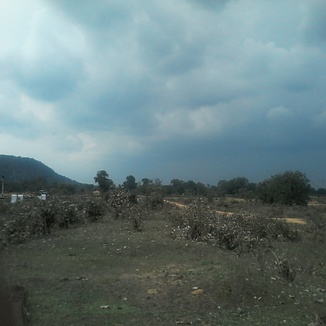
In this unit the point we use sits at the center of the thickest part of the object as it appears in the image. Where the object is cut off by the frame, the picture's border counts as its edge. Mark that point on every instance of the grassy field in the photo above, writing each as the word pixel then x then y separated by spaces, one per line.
pixel 105 273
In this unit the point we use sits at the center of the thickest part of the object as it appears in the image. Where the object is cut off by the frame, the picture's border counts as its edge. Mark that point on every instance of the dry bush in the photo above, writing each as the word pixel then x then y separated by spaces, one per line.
pixel 69 214
pixel 154 201
pixel 241 232
pixel 94 208
pixel 136 216
pixel 316 227
pixel 125 206
pixel 26 221
pixel 35 218
pixel 118 200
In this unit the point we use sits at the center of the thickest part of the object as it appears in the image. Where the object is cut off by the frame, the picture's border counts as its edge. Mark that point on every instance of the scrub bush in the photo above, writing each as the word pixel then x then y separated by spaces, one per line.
pixel 241 232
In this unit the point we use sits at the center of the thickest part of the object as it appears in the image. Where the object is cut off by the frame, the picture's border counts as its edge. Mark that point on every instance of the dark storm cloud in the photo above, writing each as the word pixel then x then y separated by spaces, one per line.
pixel 48 82
pixel 176 87
pixel 314 23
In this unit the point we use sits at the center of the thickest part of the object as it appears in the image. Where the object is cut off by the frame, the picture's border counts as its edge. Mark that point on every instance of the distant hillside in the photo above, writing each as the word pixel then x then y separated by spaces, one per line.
pixel 17 169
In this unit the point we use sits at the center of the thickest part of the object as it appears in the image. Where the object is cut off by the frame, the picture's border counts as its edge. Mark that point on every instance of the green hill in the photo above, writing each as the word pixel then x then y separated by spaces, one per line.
pixel 17 169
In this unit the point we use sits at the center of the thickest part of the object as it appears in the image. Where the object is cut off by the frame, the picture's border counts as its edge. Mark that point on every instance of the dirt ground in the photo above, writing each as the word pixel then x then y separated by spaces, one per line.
pixel 105 273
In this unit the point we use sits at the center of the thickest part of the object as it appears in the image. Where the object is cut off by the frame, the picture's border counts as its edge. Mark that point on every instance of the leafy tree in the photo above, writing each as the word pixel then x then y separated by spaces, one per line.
pixel 145 187
pixel 222 187
pixel 233 186
pixel 102 178
pixel 321 191
pixel 178 186
pixel 130 183
pixel 146 181
pixel 288 188
pixel 158 182
pixel 191 187
pixel 201 189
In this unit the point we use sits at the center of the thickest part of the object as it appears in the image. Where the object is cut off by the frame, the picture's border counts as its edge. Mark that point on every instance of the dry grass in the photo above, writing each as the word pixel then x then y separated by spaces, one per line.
pixel 104 273
pixel 293 220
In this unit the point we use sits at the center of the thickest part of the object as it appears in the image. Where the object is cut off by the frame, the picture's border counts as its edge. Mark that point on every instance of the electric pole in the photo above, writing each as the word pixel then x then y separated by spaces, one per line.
pixel 2 186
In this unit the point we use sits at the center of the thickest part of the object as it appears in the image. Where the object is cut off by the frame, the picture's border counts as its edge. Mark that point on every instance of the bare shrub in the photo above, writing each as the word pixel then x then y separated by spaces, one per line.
pixel 94 209
pixel 125 206
pixel 69 215
pixel 155 201
pixel 27 220
pixel 316 228
pixel 119 200
pixel 136 218
pixel 36 218
pixel 242 232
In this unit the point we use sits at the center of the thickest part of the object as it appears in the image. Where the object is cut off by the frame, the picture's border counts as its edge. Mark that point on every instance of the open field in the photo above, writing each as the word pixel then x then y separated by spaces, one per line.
pixel 108 273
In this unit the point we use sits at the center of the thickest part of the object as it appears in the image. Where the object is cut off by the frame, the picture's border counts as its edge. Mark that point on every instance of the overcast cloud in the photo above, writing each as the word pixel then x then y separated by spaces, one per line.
pixel 188 89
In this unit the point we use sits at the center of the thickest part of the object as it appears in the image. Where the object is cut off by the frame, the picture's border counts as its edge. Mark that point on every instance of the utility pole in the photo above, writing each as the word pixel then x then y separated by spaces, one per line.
pixel 2 186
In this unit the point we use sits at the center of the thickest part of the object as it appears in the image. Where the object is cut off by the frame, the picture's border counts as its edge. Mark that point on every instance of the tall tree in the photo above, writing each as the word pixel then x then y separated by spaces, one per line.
pixel 102 178
pixel 146 187
pixel 130 183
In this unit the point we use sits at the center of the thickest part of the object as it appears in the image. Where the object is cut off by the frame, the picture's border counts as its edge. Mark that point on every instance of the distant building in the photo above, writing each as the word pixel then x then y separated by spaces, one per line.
pixel 15 198
pixel 42 195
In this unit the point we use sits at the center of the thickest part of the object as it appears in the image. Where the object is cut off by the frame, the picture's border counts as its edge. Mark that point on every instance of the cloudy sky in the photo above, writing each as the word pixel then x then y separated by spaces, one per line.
pixel 198 90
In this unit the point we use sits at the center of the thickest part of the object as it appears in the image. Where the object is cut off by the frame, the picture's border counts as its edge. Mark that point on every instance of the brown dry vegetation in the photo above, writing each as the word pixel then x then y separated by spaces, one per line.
pixel 170 266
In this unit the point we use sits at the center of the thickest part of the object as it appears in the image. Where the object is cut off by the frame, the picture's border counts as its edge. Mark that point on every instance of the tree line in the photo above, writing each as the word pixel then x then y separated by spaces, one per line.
pixel 288 188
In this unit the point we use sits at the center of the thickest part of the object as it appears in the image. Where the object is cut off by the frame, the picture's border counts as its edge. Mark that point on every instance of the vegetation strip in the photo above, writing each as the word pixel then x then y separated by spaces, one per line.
pixel 292 220
pixel 119 257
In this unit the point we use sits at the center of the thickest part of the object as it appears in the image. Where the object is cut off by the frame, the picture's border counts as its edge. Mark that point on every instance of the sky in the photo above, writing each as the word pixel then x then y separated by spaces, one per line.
pixel 188 89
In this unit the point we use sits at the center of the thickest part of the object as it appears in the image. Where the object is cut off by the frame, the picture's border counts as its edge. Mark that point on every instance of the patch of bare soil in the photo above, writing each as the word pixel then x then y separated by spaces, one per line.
pixel 294 220
pixel 176 204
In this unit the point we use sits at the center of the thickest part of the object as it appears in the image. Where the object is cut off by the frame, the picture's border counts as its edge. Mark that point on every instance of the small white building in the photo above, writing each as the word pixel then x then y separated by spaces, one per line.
pixel 42 195
pixel 16 198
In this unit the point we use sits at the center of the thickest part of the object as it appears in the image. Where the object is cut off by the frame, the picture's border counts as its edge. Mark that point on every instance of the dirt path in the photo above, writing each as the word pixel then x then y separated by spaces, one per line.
pixel 179 205
pixel 294 220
